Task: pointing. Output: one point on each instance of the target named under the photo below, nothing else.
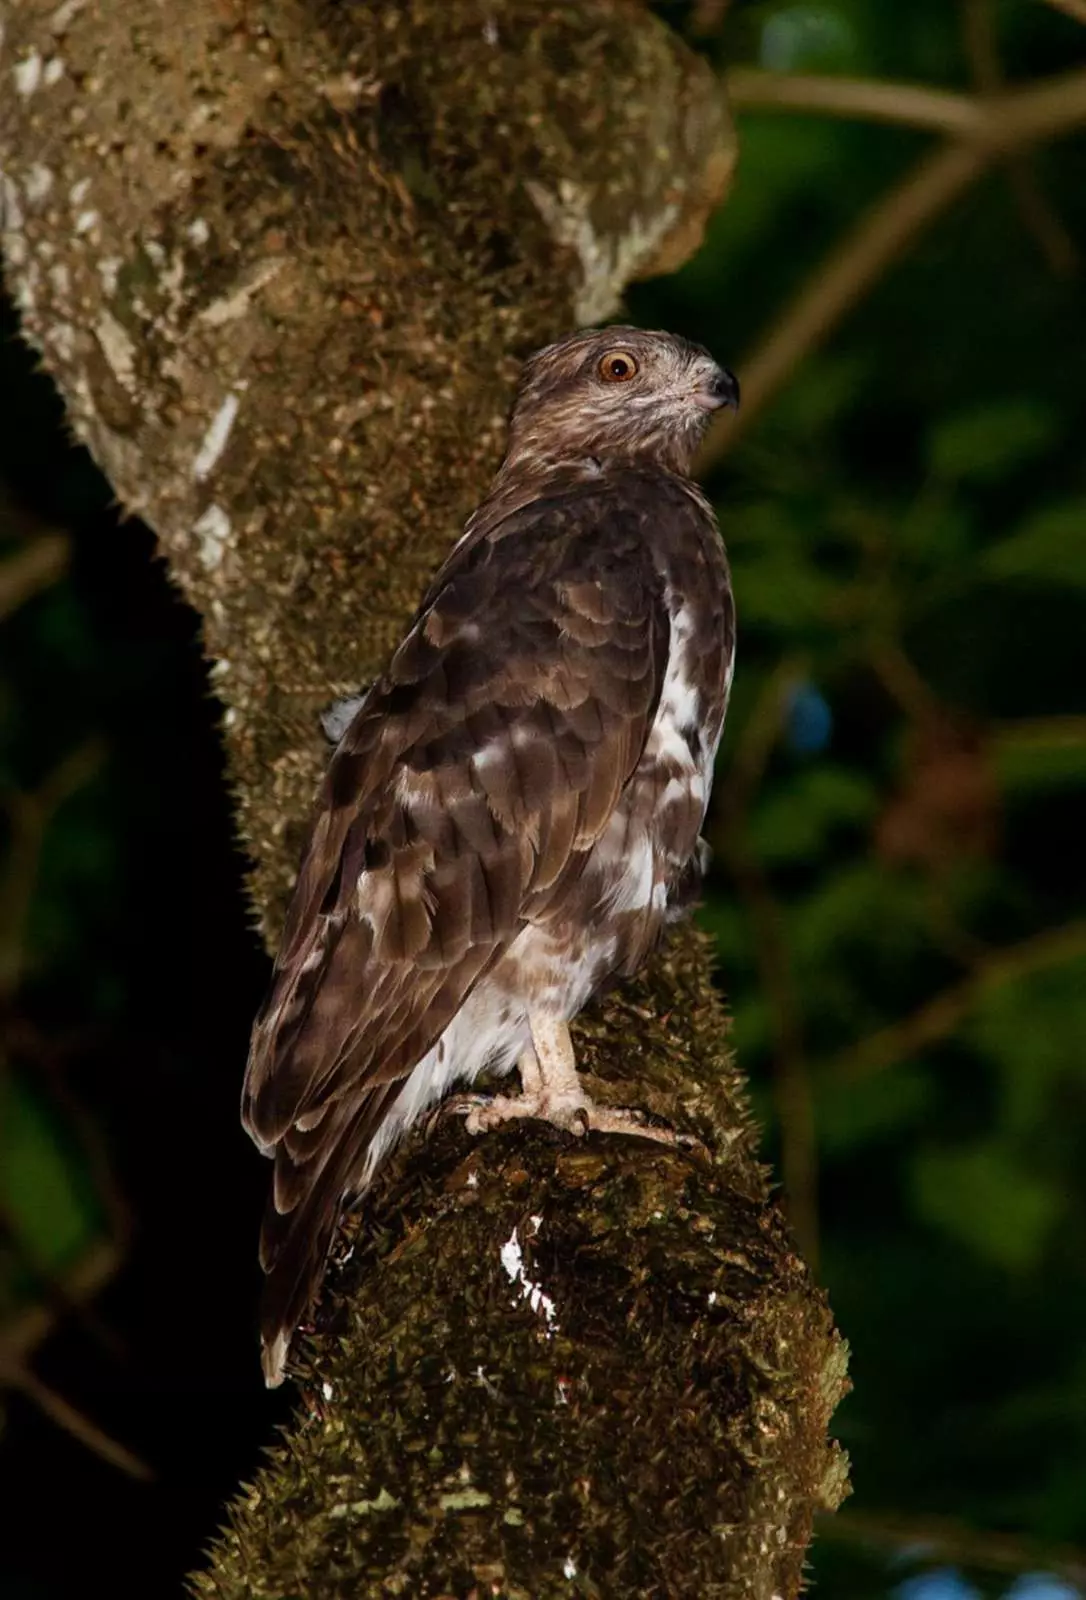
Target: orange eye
(618, 366)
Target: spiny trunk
(281, 260)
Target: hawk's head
(617, 393)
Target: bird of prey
(512, 813)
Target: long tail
(300, 1225)
(293, 1280)
(294, 1253)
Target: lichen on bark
(282, 260)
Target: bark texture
(282, 259)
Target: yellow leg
(552, 1092)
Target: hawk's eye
(618, 366)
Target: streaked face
(618, 393)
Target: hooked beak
(719, 388)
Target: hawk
(512, 813)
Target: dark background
(897, 894)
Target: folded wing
(461, 803)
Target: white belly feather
(491, 1032)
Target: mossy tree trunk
(281, 259)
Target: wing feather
(463, 798)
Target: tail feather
(293, 1280)
(295, 1242)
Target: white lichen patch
(13, 248)
(54, 71)
(464, 1500)
(26, 285)
(27, 74)
(64, 15)
(11, 211)
(382, 1501)
(118, 349)
(344, 91)
(37, 182)
(212, 530)
(109, 270)
(61, 339)
(512, 1259)
(235, 304)
(79, 191)
(86, 222)
(198, 231)
(215, 439)
(172, 279)
(608, 261)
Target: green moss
(426, 191)
(655, 1423)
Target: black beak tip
(725, 388)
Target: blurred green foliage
(898, 889)
(51, 1215)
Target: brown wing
(469, 788)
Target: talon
(473, 1108)
(464, 1104)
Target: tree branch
(71, 1419)
(1040, 733)
(1075, 9)
(982, 52)
(31, 568)
(792, 1091)
(282, 270)
(915, 105)
(943, 1539)
(940, 1016)
(859, 261)
(993, 127)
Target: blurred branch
(1075, 9)
(761, 730)
(792, 1092)
(945, 1540)
(30, 815)
(1038, 217)
(791, 1078)
(48, 1056)
(902, 682)
(1005, 121)
(997, 124)
(940, 1017)
(30, 568)
(1040, 733)
(708, 17)
(911, 103)
(95, 1268)
(14, 1375)
(857, 263)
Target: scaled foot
(552, 1092)
(576, 1114)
